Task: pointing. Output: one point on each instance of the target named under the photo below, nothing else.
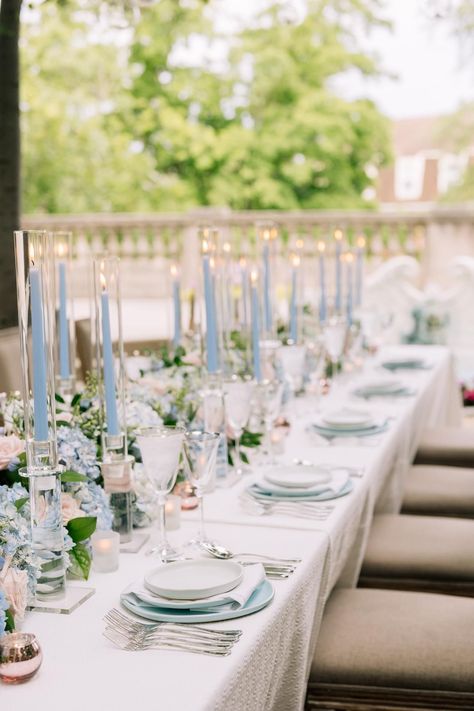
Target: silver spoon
(219, 551)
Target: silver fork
(196, 646)
(116, 619)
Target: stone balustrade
(149, 242)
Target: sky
(420, 51)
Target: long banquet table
(268, 668)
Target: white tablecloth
(268, 668)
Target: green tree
(265, 131)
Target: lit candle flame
(254, 276)
(32, 254)
(205, 246)
(338, 235)
(321, 246)
(61, 249)
(349, 257)
(174, 270)
(243, 262)
(212, 263)
(300, 243)
(361, 242)
(103, 281)
(295, 260)
(226, 247)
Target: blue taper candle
(257, 368)
(350, 296)
(338, 299)
(359, 270)
(64, 363)
(267, 303)
(176, 306)
(40, 390)
(322, 283)
(113, 427)
(211, 329)
(294, 299)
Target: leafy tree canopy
(177, 110)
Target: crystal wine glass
(270, 394)
(160, 449)
(200, 454)
(237, 399)
(334, 339)
(292, 359)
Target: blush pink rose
(70, 508)
(10, 448)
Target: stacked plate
(348, 423)
(300, 483)
(199, 591)
(382, 388)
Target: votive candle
(105, 551)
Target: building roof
(422, 133)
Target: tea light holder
(173, 513)
(20, 657)
(105, 551)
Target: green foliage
(80, 562)
(81, 528)
(150, 120)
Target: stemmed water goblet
(270, 394)
(292, 359)
(238, 398)
(334, 339)
(160, 449)
(200, 454)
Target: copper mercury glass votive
(20, 657)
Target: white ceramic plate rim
(288, 477)
(231, 575)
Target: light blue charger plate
(258, 493)
(259, 599)
(367, 432)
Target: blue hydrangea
(77, 451)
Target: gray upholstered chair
(439, 491)
(10, 364)
(84, 351)
(423, 553)
(386, 649)
(448, 446)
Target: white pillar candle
(105, 551)
(172, 513)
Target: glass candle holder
(64, 308)
(105, 551)
(267, 234)
(36, 300)
(35, 294)
(20, 657)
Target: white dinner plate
(296, 477)
(194, 579)
(381, 386)
(347, 419)
(259, 599)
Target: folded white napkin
(253, 576)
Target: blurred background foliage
(121, 119)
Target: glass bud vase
(47, 529)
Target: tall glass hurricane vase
(117, 463)
(36, 300)
(64, 311)
(160, 449)
(200, 453)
